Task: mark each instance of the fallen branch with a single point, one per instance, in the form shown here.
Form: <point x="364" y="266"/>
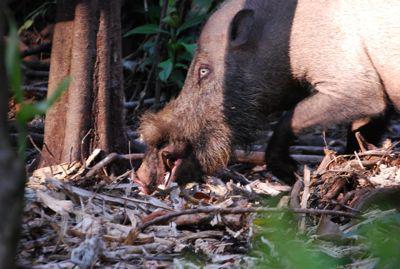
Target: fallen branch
<point x="227" y="174"/>
<point x="258" y="157"/>
<point x="112" y="157"/>
<point x="134" y="104"/>
<point x="218" y="210"/>
<point x="310" y="150"/>
<point x="120" y="200"/>
<point x="295" y="194"/>
<point x="36" y="73"/>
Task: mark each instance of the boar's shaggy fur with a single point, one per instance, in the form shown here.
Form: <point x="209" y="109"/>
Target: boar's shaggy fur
<point x="325" y="62"/>
<point x="168" y="127"/>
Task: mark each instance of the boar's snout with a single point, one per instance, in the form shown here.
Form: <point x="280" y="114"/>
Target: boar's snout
<point x="175" y="162"/>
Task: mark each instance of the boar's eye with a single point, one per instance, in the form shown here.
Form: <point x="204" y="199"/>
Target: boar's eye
<point x="203" y="72"/>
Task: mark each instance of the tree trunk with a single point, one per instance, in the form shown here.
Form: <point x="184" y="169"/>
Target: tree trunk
<point x="12" y="174"/>
<point x="86" y="47"/>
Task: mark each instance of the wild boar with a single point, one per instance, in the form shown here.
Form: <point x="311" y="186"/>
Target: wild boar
<point x="325" y="62"/>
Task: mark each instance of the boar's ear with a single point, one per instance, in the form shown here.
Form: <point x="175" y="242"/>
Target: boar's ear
<point x="240" y="28"/>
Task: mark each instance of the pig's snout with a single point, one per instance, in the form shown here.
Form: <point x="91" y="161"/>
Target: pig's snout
<point x="172" y="163"/>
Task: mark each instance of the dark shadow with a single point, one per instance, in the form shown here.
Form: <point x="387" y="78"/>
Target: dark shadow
<point x="258" y="78"/>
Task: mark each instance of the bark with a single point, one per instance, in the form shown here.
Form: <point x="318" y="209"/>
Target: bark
<point x="12" y="175"/>
<point x="87" y="47"/>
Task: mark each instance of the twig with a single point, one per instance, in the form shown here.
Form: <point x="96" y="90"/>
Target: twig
<point x="236" y="176"/>
<point x="295" y="194"/>
<point x="34" y="144"/>
<point x="364" y="145"/>
<point x="38" y="138"/>
<point x="112" y="157"/>
<point x="305" y="159"/>
<point x="121" y="200"/>
<point x="306" y="195"/>
<point x="218" y="210"/>
<point x="82" y="148"/>
<point x="157" y="95"/>
<point x="358" y="160"/>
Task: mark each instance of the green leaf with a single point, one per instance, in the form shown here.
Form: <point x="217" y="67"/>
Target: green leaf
<point x="181" y="65"/>
<point x="172" y="20"/>
<point x="166" y="67"/>
<point x="29" y="111"/>
<point x="191" y="48"/>
<point x="13" y="62"/>
<point x="146" y="29"/>
<point x="193" y="21"/>
<point x="61" y="88"/>
<point x="27" y="24"/>
<point x="185" y="57"/>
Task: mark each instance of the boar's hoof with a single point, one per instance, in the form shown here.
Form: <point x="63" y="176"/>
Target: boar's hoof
<point x="282" y="166"/>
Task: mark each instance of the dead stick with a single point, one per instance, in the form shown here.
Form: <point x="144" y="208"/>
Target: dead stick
<point x="295" y="194"/>
<point x="36" y="73"/>
<point x="134" y="104"/>
<point x="27" y="88"/>
<point x="258" y="157"/>
<point x="112" y="157"/>
<point x="218" y="210"/>
<point x="305" y="196"/>
<point x="310" y="150"/>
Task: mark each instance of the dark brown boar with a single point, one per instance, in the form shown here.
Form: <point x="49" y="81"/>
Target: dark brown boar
<point x="325" y="62"/>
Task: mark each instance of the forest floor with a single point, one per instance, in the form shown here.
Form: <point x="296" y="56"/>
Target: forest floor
<point x="102" y="221"/>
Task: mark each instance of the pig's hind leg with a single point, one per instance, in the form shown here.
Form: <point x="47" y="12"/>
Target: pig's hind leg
<point x="319" y="109"/>
<point x="371" y="129"/>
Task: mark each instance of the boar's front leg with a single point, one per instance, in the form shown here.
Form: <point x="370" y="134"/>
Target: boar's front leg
<point x="277" y="155"/>
<point x="318" y="109"/>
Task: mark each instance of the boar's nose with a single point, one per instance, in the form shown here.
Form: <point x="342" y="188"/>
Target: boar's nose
<point x="143" y="178"/>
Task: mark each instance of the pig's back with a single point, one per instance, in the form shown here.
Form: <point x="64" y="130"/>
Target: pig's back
<point x="381" y="35"/>
<point x="351" y="42"/>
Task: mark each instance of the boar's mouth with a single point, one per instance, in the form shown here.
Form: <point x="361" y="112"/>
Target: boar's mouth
<point x="175" y="162"/>
<point x="171" y="165"/>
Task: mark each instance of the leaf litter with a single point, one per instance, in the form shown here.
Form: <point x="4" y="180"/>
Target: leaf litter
<point x="72" y="220"/>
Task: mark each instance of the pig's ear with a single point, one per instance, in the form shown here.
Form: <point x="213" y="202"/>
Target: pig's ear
<point x="240" y="28"/>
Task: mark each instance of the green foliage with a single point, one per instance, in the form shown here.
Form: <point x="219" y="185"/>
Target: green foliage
<point x="27" y="111"/>
<point x="38" y="12"/>
<point x="178" y="34"/>
<point x="382" y="238"/>
<point x="284" y="248"/>
<point x="147" y="29"/>
<point x="13" y="63"/>
<point x="166" y="67"/>
<point x="281" y="246"/>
